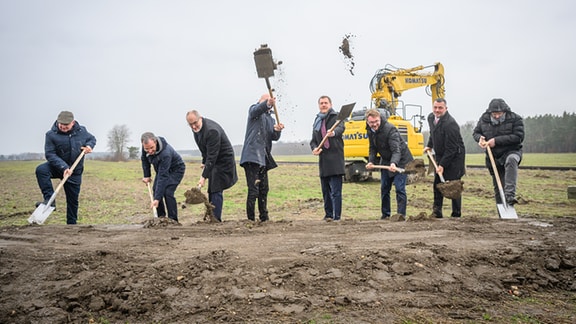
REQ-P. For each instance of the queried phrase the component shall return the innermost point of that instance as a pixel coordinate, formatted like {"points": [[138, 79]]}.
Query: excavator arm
{"points": [[389, 83]]}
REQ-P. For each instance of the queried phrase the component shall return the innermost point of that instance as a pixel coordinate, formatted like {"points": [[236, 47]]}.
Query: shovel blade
{"points": [[506, 211], [345, 111], [41, 213]]}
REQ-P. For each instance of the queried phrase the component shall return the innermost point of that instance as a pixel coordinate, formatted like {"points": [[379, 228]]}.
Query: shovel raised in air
{"points": [[504, 210], [344, 113], [265, 66], [44, 210]]}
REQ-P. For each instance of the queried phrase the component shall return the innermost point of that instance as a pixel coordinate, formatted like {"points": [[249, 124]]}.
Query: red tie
{"points": [[323, 131]]}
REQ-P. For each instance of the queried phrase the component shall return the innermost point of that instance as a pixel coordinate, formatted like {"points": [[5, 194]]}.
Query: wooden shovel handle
{"points": [[151, 198], [328, 131], [385, 167], [496, 175], [435, 165], [71, 171], [271, 96]]}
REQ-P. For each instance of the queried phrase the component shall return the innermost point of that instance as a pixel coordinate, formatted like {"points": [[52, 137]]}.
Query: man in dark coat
{"points": [[169, 168], [218, 162], [63, 144], [503, 131], [256, 159], [385, 140], [446, 141], [331, 157]]}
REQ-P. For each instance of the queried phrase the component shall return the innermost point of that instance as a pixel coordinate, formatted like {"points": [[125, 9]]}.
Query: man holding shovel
{"points": [[503, 131], [331, 157], [385, 140], [169, 168], [446, 141], [218, 162], [256, 159], [63, 145]]}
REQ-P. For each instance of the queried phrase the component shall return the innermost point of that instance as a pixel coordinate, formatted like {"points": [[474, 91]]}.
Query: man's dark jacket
{"points": [[259, 136], [217, 156], [508, 135], [168, 165], [331, 160], [387, 142], [62, 149], [447, 143]]}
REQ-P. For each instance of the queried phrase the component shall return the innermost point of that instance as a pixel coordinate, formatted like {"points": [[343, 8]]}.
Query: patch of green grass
{"points": [[532, 159], [113, 193]]}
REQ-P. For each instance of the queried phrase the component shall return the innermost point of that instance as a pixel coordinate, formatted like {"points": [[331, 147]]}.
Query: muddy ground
{"points": [[431, 271]]}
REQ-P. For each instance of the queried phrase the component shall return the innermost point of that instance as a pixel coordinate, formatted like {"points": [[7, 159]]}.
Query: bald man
{"points": [[256, 159]]}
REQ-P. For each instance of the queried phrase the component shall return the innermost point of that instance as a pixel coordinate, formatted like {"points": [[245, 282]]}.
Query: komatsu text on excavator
{"points": [[386, 87]]}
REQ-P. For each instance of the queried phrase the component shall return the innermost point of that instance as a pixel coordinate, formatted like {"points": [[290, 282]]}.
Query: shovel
{"points": [[504, 210], [449, 189], [385, 167], [344, 113], [152, 199], [414, 166], [265, 67], [44, 210]]}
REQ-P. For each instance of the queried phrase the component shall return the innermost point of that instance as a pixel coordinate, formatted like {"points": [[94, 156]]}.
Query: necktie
{"points": [[436, 120], [323, 131]]}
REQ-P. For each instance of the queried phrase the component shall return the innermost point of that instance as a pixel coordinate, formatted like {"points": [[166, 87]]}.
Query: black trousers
{"points": [[257, 182]]}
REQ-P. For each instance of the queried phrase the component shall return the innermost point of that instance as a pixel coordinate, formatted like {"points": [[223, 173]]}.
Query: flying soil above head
{"points": [[345, 50]]}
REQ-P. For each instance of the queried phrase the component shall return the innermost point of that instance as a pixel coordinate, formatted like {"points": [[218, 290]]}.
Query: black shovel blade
{"points": [[345, 111], [506, 211]]}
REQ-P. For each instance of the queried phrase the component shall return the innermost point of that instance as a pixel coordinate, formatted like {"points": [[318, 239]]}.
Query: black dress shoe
{"points": [[511, 201], [45, 203]]}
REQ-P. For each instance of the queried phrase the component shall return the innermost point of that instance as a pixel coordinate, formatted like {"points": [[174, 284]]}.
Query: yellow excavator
{"points": [[386, 86]]}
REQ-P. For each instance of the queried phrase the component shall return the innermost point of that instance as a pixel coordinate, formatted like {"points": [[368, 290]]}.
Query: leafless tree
{"points": [[118, 138]]}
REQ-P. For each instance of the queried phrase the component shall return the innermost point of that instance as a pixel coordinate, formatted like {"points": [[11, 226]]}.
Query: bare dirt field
{"points": [[467, 270]]}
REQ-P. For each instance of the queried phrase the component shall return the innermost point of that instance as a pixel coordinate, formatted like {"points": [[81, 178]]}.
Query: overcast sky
{"points": [[145, 63]]}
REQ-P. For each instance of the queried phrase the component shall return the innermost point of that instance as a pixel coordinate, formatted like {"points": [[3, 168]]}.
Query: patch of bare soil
{"points": [[419, 270]]}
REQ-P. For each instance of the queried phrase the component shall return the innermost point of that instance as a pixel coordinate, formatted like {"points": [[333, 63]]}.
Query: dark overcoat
{"points": [[447, 143], [217, 156], [331, 160]]}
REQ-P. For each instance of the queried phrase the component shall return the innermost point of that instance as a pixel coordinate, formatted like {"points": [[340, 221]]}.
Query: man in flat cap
{"points": [[63, 145]]}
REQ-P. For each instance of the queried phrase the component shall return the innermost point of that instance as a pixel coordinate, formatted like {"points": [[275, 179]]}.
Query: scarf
{"points": [[497, 121], [319, 118]]}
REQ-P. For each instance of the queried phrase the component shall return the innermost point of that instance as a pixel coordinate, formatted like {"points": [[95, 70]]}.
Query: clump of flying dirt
{"points": [[416, 166], [194, 196], [416, 170], [451, 189], [345, 50]]}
